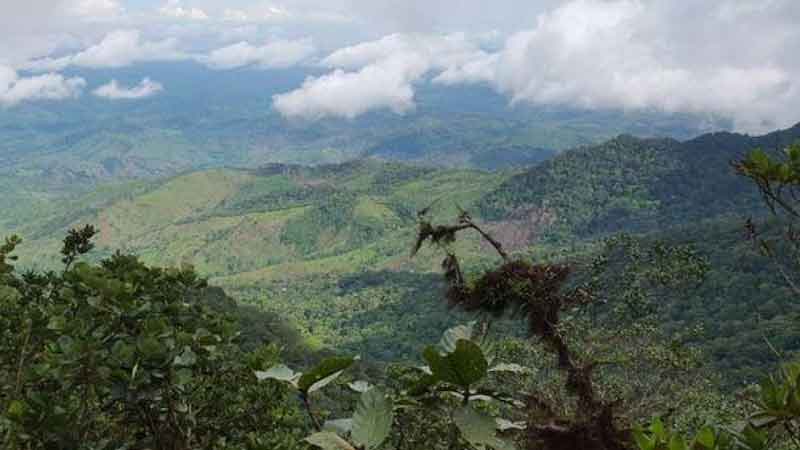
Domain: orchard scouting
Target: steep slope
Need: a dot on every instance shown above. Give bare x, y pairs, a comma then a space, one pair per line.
680, 192
283, 237
227, 221
635, 184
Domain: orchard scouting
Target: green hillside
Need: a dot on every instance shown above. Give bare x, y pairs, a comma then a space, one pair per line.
272, 236
636, 184
683, 192
327, 247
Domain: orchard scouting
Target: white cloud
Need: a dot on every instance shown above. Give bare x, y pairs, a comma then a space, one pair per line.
174, 8
736, 58
15, 89
700, 57
277, 54
236, 15
265, 13
118, 49
94, 8
115, 91
733, 58
437, 51
348, 94
375, 75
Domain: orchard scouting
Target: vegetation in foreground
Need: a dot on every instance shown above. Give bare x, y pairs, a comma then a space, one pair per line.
119, 355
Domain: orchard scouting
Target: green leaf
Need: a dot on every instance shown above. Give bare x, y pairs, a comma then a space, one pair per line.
510, 367
66, 344
759, 159
339, 426
280, 373
372, 421
329, 441
451, 337
643, 440
57, 323
16, 410
677, 443
706, 437
149, 346
323, 374
123, 352
657, 428
359, 386
754, 439
183, 377
478, 429
505, 425
187, 358
465, 366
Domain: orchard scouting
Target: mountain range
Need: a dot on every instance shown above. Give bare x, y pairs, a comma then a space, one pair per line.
210, 119
327, 246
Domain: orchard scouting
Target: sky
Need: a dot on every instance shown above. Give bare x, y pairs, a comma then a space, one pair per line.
733, 58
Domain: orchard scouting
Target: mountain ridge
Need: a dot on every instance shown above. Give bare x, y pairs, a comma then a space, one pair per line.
636, 184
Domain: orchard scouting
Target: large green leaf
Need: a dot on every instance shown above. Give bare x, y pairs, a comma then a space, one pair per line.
465, 366
677, 442
280, 373
323, 374
372, 421
478, 429
453, 335
329, 441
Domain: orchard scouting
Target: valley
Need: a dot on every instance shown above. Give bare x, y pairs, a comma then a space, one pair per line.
327, 247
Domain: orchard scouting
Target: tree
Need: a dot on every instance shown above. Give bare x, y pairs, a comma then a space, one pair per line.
552, 301
119, 354
778, 180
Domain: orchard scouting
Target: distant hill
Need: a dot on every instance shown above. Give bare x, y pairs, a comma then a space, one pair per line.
211, 119
633, 184
295, 240
681, 192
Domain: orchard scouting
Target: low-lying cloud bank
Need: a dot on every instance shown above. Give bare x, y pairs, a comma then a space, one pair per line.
731, 58
736, 59
117, 49
114, 91
15, 89
124, 48
278, 54
375, 75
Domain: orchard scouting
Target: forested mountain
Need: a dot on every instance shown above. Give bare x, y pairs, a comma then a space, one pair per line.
676, 191
632, 184
317, 258
327, 246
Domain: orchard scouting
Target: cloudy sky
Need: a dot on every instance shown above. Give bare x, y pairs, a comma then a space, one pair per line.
735, 58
